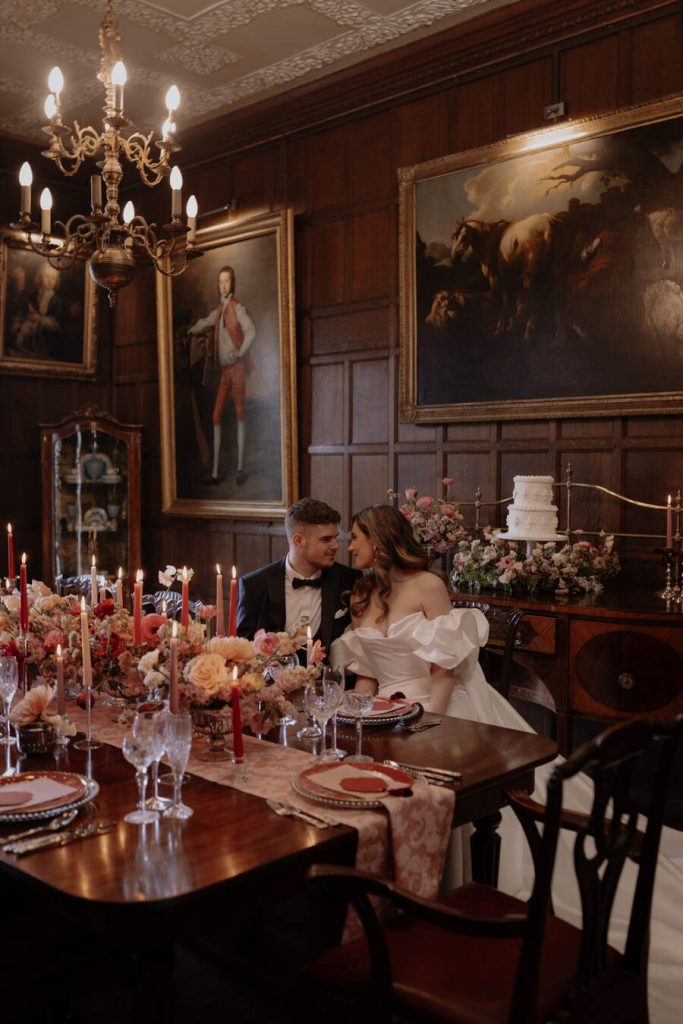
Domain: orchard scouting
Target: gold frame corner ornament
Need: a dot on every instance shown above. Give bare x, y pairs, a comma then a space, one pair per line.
279, 223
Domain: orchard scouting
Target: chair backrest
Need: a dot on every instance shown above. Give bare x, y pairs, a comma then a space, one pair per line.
604, 838
504, 628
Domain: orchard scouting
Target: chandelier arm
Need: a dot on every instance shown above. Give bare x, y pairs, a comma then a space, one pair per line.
83, 143
138, 152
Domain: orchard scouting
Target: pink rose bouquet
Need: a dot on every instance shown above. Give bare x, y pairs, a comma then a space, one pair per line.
436, 522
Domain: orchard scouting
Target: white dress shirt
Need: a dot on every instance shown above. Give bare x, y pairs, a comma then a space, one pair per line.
227, 350
304, 601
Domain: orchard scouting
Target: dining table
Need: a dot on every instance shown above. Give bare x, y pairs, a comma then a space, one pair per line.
234, 852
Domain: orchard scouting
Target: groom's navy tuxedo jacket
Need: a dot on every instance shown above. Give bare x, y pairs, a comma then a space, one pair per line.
262, 601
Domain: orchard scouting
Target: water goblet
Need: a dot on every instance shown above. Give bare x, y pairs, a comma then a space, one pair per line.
9, 680
333, 681
154, 723
178, 744
358, 703
271, 673
320, 702
139, 752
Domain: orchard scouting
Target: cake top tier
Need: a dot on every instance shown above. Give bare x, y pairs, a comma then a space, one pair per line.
533, 480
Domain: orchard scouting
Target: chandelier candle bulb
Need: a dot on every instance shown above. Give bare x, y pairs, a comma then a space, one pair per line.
191, 210
61, 703
119, 587
669, 524
45, 211
25, 180
185, 599
11, 569
23, 600
93, 582
237, 741
50, 106
176, 193
232, 610
85, 646
118, 80
96, 191
55, 82
220, 610
173, 703
137, 609
172, 100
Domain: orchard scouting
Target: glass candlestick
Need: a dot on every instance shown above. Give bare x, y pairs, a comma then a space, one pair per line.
88, 743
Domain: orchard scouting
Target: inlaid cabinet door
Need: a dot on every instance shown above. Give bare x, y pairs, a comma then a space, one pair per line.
620, 670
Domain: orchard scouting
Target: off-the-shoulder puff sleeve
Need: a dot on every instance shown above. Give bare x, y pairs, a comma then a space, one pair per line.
347, 650
452, 640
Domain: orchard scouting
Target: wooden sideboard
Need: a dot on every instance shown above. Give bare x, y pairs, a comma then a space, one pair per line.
601, 658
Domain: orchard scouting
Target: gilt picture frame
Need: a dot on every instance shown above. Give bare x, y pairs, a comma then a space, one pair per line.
542, 276
227, 374
48, 314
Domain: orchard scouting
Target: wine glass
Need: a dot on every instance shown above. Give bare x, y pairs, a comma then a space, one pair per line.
320, 702
271, 673
9, 680
139, 749
358, 703
154, 722
333, 681
178, 744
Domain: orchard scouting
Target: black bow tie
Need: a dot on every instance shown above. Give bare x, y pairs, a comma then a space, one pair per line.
296, 582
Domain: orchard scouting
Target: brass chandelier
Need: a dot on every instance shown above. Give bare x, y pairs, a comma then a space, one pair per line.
115, 242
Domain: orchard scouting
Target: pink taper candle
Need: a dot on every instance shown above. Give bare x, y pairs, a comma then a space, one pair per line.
173, 702
232, 612
137, 609
23, 607
220, 609
669, 524
237, 741
11, 568
185, 605
61, 703
85, 647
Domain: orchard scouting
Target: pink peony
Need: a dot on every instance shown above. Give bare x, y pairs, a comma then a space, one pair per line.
424, 502
447, 480
447, 510
151, 624
266, 643
317, 654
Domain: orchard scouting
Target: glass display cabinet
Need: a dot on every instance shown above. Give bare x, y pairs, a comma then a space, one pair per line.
91, 496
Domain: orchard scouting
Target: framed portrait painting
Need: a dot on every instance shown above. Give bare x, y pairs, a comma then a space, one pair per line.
227, 374
542, 276
48, 314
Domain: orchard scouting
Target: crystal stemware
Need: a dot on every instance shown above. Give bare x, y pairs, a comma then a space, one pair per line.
271, 673
358, 703
320, 702
9, 680
333, 682
139, 750
154, 721
178, 744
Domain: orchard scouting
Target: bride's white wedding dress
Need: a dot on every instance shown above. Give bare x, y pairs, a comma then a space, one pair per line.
400, 661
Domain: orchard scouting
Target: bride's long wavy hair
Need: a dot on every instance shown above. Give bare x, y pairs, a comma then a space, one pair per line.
395, 547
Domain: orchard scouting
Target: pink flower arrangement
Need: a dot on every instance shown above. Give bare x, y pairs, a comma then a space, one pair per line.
436, 522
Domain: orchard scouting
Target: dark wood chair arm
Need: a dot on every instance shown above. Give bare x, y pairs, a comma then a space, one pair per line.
572, 820
355, 884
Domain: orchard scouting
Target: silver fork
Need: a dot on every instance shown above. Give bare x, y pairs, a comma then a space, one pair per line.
61, 821
420, 726
288, 811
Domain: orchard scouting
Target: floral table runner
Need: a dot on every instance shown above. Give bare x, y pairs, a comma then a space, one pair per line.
407, 844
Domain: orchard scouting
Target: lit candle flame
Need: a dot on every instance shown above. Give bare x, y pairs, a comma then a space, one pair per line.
174, 631
138, 576
23, 558
184, 573
83, 604
234, 674
234, 573
94, 562
9, 527
59, 650
218, 569
120, 572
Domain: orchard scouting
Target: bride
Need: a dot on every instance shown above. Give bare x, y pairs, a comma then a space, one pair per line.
406, 638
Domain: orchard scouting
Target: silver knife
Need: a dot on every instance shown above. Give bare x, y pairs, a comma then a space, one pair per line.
61, 839
443, 773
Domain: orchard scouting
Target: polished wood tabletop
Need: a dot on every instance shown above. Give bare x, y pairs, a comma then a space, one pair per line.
234, 845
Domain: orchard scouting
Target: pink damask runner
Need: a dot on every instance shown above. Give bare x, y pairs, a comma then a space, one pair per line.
418, 827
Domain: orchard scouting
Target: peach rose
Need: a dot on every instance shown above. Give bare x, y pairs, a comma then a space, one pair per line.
251, 682
32, 707
207, 672
232, 648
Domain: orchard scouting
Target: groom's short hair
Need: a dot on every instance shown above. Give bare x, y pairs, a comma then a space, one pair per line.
309, 512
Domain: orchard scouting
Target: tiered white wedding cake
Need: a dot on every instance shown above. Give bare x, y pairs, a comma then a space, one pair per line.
532, 515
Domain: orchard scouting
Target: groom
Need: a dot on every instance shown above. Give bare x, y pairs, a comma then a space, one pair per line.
306, 585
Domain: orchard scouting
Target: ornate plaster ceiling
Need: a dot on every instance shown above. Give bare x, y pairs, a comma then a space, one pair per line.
223, 55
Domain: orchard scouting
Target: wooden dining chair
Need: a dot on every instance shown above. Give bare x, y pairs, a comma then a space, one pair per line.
479, 956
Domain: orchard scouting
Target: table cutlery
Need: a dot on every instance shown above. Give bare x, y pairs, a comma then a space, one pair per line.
443, 775
61, 821
420, 726
61, 838
288, 811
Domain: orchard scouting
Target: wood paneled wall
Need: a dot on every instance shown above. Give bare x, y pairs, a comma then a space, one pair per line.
332, 153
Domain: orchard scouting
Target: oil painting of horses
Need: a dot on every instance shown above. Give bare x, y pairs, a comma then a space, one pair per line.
544, 276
